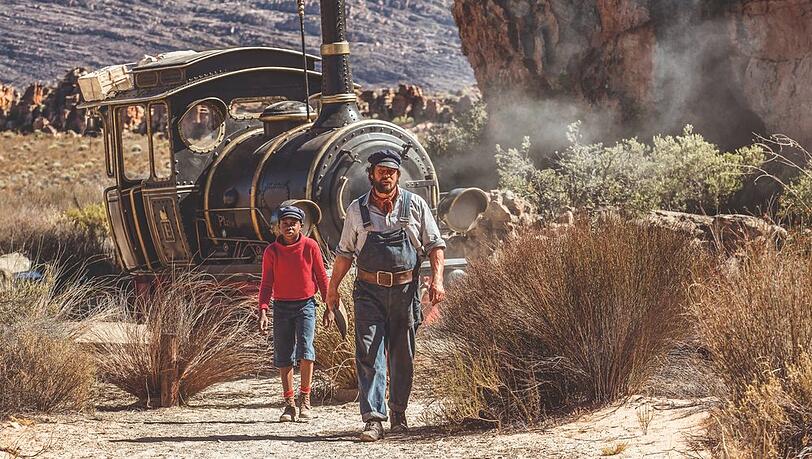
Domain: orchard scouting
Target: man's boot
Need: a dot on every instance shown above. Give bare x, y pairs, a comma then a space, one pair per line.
289, 414
304, 406
398, 422
373, 431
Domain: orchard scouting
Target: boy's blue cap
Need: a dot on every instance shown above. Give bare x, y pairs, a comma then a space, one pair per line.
386, 158
292, 212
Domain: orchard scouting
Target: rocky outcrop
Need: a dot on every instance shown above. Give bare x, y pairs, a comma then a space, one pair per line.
44, 108
508, 215
409, 101
53, 109
726, 232
730, 67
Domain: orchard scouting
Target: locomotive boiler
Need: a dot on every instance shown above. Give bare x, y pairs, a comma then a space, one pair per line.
228, 137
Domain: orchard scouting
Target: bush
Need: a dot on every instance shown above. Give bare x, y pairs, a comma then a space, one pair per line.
215, 327
559, 320
790, 166
756, 320
74, 239
42, 373
455, 148
684, 173
41, 367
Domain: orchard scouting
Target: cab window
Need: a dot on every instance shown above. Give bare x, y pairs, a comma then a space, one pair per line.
202, 127
159, 140
131, 127
251, 107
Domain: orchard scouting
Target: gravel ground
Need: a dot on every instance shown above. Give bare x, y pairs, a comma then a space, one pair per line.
240, 419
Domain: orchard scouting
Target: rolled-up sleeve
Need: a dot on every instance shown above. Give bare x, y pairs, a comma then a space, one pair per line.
430, 236
349, 234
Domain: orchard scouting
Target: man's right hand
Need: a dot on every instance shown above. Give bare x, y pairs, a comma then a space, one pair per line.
333, 297
329, 318
263, 322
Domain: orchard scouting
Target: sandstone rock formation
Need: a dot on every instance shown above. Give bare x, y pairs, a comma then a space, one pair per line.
44, 108
729, 67
508, 215
727, 232
409, 101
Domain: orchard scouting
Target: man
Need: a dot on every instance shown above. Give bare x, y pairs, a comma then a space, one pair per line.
386, 231
292, 271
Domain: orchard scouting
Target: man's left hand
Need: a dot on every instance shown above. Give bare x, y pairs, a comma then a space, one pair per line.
436, 290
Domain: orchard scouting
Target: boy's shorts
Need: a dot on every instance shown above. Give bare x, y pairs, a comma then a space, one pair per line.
294, 329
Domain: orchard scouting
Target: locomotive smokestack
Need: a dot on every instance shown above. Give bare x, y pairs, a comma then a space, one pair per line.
338, 107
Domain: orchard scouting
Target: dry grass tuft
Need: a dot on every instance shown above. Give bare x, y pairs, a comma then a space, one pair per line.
756, 320
335, 357
41, 367
215, 328
42, 373
645, 414
560, 320
614, 449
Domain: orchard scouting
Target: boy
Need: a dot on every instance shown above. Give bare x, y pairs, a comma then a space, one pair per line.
292, 271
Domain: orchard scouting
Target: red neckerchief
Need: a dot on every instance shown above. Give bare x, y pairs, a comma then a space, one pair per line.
385, 202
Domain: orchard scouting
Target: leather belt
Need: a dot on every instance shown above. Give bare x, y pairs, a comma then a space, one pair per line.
385, 278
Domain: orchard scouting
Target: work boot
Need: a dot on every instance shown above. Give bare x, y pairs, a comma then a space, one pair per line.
304, 407
373, 431
398, 422
289, 415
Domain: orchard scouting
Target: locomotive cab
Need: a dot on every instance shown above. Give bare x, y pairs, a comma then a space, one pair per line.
165, 130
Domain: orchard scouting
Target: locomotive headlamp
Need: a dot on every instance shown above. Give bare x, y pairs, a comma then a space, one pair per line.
461, 208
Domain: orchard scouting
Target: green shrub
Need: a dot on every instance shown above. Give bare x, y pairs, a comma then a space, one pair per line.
517, 173
455, 148
682, 172
91, 219
796, 202
555, 321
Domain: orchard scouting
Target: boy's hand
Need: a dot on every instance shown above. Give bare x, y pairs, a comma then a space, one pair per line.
329, 317
263, 322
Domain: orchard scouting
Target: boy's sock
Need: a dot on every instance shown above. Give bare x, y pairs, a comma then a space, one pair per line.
288, 394
304, 390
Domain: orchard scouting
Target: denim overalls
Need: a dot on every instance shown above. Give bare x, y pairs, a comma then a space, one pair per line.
386, 318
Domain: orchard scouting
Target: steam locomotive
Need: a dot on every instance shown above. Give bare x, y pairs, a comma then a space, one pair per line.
230, 138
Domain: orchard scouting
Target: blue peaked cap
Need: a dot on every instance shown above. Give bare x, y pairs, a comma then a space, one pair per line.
292, 212
386, 158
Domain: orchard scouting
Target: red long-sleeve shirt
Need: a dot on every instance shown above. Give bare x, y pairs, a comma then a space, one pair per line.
292, 272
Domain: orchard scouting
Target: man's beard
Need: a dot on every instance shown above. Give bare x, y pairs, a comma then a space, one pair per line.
382, 187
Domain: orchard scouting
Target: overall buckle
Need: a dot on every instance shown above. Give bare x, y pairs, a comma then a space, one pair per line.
378, 278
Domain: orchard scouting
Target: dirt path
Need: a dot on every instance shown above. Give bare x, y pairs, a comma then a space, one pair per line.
239, 419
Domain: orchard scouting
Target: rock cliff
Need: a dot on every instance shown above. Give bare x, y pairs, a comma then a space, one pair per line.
730, 67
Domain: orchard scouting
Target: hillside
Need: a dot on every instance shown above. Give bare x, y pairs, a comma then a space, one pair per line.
392, 40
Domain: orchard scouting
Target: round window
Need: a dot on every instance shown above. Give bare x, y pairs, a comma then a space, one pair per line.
203, 125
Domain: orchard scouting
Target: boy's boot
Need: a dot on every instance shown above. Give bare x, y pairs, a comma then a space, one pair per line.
373, 431
304, 406
289, 415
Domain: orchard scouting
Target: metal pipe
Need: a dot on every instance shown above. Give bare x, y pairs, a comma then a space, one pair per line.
338, 106
301, 8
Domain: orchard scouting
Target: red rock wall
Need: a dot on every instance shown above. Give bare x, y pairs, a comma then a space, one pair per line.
730, 67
